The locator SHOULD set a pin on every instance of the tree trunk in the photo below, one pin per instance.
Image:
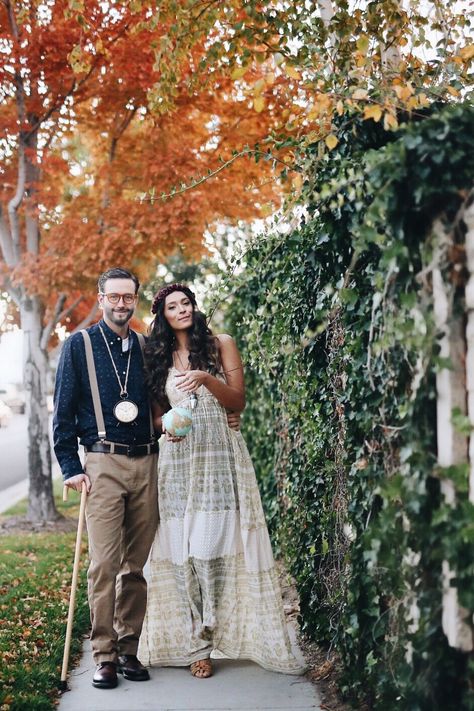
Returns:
(41, 505)
(452, 445)
(469, 222)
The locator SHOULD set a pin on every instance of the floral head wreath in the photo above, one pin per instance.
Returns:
(167, 290)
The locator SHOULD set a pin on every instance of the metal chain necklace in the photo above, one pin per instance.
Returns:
(125, 410)
(193, 398)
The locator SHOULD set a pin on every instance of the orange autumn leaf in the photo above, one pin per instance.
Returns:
(331, 141)
(373, 112)
(97, 148)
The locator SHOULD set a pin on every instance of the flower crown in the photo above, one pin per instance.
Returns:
(167, 290)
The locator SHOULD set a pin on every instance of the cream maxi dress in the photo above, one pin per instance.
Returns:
(213, 584)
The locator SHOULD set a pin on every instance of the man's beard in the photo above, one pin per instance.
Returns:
(120, 317)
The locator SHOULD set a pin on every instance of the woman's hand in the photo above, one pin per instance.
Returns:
(158, 423)
(233, 420)
(191, 380)
(172, 438)
(169, 437)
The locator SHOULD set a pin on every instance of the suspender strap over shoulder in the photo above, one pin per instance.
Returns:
(141, 340)
(99, 416)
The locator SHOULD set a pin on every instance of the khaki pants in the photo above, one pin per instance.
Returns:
(122, 516)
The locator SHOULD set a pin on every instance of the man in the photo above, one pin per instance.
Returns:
(119, 472)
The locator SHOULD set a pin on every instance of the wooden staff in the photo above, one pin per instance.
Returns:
(75, 571)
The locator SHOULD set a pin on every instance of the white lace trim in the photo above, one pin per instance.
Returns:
(209, 535)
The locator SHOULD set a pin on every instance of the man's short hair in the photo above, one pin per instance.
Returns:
(117, 273)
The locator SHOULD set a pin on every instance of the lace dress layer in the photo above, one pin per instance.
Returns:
(213, 584)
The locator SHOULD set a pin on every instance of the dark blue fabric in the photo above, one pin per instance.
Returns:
(73, 407)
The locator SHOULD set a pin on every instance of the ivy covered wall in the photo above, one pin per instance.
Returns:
(341, 351)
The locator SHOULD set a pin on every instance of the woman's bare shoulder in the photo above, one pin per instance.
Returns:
(224, 338)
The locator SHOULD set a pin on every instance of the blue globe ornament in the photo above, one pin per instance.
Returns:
(178, 421)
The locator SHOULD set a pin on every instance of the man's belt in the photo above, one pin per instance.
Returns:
(130, 450)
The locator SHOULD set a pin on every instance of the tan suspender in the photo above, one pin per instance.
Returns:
(141, 340)
(99, 415)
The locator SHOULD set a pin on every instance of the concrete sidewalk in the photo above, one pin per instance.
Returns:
(11, 496)
(14, 494)
(235, 685)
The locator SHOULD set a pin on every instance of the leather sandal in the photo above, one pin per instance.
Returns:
(202, 669)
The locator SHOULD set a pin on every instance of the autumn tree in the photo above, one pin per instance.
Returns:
(386, 60)
(79, 145)
(103, 102)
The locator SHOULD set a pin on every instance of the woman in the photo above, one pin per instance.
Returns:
(213, 584)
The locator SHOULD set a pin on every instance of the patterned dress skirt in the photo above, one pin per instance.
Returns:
(213, 584)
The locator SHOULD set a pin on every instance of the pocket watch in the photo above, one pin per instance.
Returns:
(126, 411)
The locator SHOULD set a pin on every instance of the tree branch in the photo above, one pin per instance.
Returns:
(58, 315)
(212, 173)
(6, 243)
(16, 200)
(75, 85)
(88, 319)
(70, 309)
(47, 330)
(206, 7)
(326, 10)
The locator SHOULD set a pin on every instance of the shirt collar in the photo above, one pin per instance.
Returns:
(111, 335)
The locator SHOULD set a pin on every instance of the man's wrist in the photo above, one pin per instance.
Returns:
(70, 476)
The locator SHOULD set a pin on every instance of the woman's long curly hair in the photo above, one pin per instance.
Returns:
(161, 344)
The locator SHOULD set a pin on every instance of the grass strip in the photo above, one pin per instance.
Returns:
(35, 580)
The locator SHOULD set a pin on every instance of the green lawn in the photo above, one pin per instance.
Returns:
(35, 578)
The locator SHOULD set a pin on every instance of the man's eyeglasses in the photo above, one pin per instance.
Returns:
(115, 298)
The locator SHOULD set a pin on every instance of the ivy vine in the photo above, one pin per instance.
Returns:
(341, 344)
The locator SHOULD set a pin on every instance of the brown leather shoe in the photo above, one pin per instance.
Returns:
(131, 668)
(105, 676)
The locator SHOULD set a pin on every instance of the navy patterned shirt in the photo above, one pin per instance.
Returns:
(73, 407)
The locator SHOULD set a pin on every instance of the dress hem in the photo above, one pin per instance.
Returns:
(298, 669)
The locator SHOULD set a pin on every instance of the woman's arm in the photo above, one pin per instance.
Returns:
(157, 412)
(230, 394)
